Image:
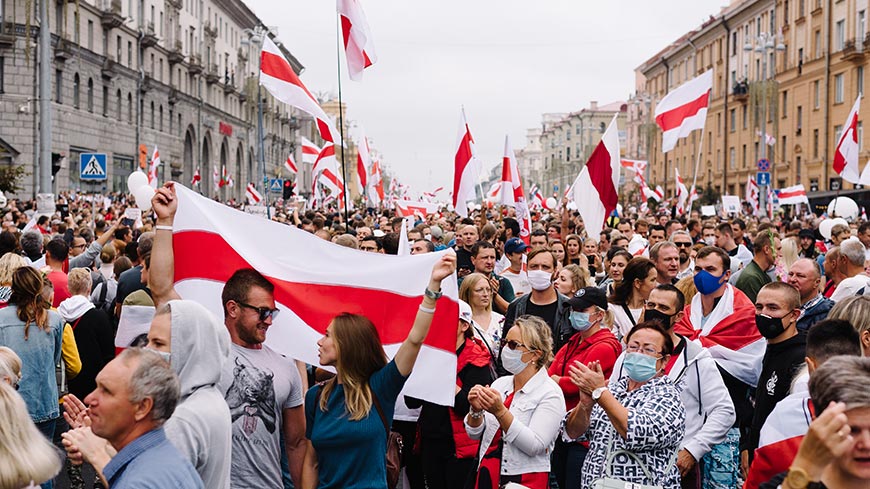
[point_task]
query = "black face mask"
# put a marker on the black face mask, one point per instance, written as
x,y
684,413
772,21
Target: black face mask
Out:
x,y
769,327
656,315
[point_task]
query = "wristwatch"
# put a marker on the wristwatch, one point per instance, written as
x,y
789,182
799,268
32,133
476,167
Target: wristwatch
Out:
x,y
797,478
475,414
596,394
432,295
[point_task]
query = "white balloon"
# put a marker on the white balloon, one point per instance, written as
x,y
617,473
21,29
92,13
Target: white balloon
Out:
x,y
450,208
825,228
843,207
143,197
3,200
135,180
551,203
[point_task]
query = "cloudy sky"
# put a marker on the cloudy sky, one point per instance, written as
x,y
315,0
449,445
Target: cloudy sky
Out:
x,y
505,61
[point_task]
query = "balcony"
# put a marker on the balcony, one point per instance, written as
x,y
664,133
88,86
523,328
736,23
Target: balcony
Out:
x,y
148,83
110,16
63,50
210,31
176,4
175,55
147,37
194,66
7,34
173,96
211,75
109,69
740,91
853,51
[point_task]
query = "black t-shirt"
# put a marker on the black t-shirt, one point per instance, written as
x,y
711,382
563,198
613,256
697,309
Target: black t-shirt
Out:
x,y
546,312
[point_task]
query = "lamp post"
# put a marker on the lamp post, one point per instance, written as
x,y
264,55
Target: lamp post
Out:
x,y
255,39
764,44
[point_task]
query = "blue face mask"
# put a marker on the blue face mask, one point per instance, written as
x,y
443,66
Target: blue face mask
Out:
x,y
580,321
707,283
639,367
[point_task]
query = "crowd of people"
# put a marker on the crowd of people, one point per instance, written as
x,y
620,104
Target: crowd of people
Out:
x,y
665,351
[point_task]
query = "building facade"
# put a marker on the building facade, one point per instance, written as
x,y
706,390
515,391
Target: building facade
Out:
x,y
180,75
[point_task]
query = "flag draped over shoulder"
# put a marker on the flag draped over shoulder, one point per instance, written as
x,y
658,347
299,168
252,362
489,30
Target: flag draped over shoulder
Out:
x,y
314,281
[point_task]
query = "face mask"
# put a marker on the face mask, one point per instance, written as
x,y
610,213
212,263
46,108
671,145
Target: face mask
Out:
x,y
769,327
710,241
165,355
656,315
428,237
540,280
580,321
639,367
707,283
512,360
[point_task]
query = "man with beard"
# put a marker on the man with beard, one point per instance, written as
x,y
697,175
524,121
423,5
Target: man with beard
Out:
x,y
683,240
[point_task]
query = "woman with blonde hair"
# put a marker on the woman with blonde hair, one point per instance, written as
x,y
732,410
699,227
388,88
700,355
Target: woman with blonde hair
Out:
x,y
573,249
487,324
8,264
26,457
856,310
10,367
347,440
571,279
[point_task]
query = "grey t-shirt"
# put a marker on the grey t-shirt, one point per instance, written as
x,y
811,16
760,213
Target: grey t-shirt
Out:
x,y
258,385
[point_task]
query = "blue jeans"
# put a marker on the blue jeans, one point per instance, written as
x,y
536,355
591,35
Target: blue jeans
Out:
x,y
47,429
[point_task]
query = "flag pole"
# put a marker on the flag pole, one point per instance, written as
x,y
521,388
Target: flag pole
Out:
x,y
341,115
697,165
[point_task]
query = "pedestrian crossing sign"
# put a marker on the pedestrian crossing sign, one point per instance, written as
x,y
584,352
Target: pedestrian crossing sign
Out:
x,y
93,166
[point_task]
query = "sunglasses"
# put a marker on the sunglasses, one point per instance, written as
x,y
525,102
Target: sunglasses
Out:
x,y
263,312
513,345
683,245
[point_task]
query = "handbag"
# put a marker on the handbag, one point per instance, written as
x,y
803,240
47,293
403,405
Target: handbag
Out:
x,y
610,482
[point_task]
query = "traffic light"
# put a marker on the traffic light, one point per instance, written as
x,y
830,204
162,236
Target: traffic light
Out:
x,y
288,190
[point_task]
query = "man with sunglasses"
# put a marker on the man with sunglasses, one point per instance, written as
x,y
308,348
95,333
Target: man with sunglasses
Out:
x,y
683,242
754,276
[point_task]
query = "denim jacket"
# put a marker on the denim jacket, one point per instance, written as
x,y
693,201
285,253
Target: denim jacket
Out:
x,y
39,354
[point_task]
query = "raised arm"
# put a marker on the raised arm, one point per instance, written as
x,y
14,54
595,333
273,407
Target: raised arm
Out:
x,y
407,354
162,271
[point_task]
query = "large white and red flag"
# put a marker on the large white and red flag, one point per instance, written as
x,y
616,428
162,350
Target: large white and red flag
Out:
x,y
795,194
781,437
846,154
466,168
684,109
363,162
290,165
253,196
682,192
309,151
512,193
752,195
658,194
405,208
278,77
595,189
152,169
314,281
359,49
637,166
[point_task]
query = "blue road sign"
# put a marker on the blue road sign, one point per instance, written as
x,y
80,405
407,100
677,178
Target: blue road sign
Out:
x,y
763,165
762,178
92,166
276,185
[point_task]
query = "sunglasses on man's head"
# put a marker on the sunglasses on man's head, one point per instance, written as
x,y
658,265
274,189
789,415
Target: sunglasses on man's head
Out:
x,y
263,312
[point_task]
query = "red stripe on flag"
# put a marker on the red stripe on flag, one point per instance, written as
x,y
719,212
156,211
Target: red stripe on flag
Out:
x,y
601,175
278,67
796,193
317,304
673,118
462,159
346,25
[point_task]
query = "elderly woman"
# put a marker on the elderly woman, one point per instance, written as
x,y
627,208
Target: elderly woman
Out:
x,y
517,419
638,419
487,324
571,279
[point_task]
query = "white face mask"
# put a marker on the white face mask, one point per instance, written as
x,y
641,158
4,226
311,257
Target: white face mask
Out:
x,y
540,280
710,241
512,360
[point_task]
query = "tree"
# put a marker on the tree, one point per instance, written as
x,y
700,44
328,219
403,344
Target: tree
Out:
x,y
10,178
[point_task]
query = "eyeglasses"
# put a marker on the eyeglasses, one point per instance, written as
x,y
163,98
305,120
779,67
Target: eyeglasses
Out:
x,y
683,245
513,345
649,351
263,312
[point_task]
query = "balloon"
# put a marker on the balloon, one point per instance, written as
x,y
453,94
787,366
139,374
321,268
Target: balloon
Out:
x,y
135,180
825,228
143,197
843,207
450,208
840,220
551,203
3,200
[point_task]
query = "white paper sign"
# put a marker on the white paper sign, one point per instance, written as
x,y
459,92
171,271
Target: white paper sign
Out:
x,y
260,210
45,204
133,213
708,210
731,204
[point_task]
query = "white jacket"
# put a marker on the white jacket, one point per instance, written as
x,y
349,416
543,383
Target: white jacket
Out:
x,y
538,409
709,410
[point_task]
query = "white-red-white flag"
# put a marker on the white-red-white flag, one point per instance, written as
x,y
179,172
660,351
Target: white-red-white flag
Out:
x,y
693,196
494,192
359,49
278,77
846,153
253,196
152,169
363,162
781,437
512,193
637,166
315,280
795,194
752,195
290,165
194,182
466,168
684,109
326,172
682,192
595,189
309,151
768,139
658,194
537,197
375,193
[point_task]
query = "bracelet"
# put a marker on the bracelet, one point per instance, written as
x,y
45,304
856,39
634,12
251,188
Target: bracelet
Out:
x,y
427,309
163,228
475,414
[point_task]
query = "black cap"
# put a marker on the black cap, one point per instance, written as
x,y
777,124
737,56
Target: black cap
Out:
x,y
589,296
807,233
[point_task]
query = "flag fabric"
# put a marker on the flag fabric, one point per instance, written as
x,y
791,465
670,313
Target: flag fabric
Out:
x,y
225,177
466,168
309,151
796,194
595,188
637,166
494,191
681,191
752,195
194,182
278,77
251,193
406,208
537,198
404,244
290,165
359,49
846,153
684,109
315,280
326,173
512,191
693,196
363,162
216,177
780,438
152,169
768,139
375,194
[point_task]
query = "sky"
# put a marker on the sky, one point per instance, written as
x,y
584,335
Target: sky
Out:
x,y
506,62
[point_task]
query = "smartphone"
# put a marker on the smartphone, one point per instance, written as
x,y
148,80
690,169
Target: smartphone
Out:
x,y
126,221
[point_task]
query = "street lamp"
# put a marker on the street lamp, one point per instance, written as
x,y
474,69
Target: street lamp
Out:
x,y
764,44
254,38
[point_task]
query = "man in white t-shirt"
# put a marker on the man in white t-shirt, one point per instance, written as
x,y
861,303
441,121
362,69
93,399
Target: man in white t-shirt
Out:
x,y
851,264
514,249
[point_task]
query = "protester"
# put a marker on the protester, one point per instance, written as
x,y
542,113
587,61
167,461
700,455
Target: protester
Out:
x,y
558,249
666,258
739,253
573,249
486,324
8,264
628,298
466,237
483,258
27,458
614,264
517,419
833,275
641,414
683,241
10,367
538,241
808,244
850,263
805,276
572,278
856,310
754,276
514,250
56,253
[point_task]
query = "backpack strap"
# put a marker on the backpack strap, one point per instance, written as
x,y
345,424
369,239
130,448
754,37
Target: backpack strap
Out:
x,y
103,293
380,412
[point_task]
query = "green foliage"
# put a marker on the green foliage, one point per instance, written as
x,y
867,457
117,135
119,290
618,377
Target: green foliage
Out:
x,y
10,178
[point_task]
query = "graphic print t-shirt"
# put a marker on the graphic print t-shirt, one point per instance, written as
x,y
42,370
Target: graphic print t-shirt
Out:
x,y
258,385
